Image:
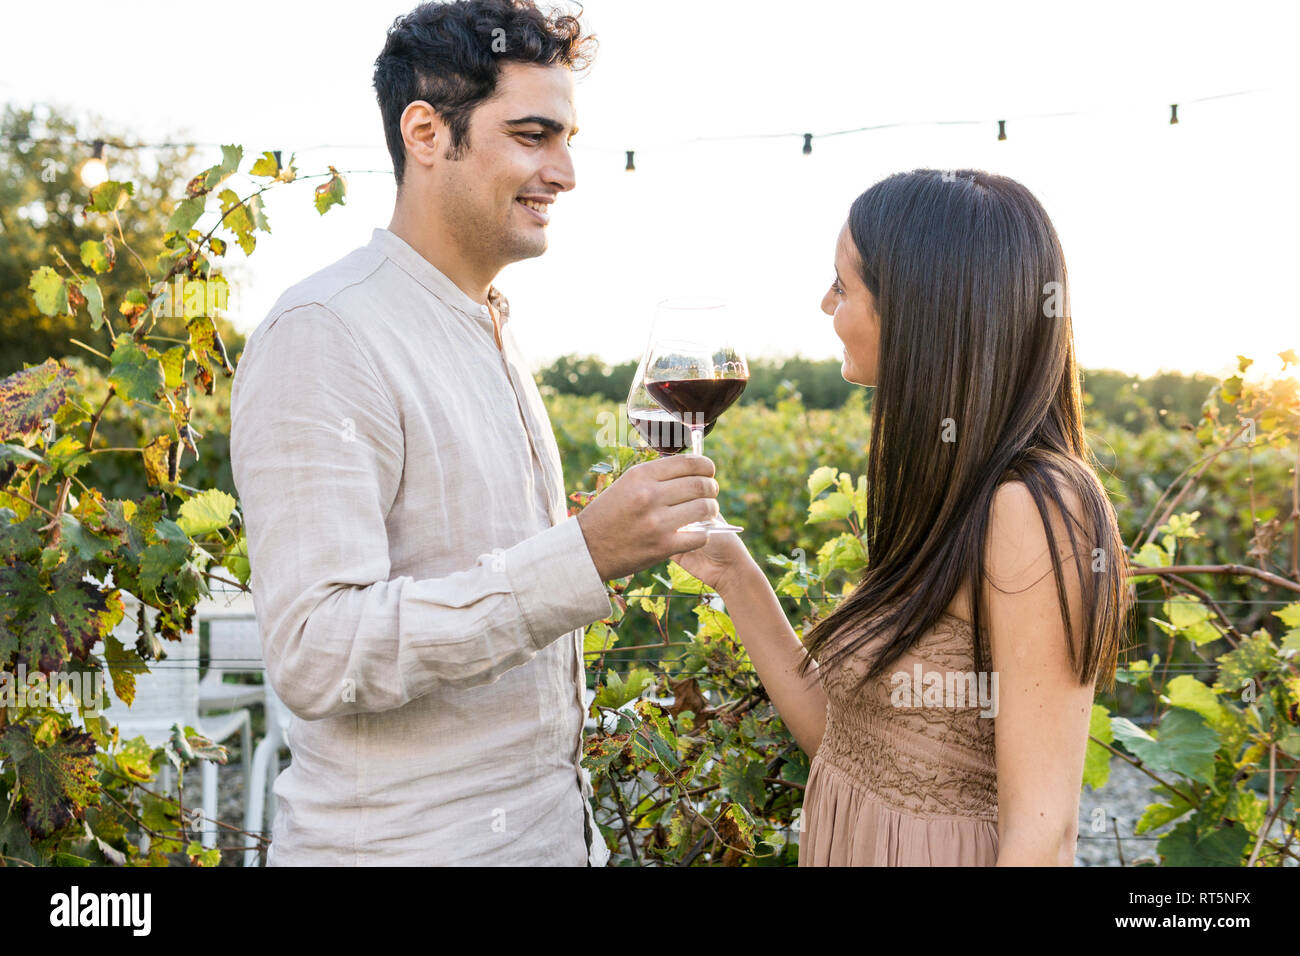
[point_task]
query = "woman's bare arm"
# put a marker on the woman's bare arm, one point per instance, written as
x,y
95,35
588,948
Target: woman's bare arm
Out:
x,y
776,653
1041,728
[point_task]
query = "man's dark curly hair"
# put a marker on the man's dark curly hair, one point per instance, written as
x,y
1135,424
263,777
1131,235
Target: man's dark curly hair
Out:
x,y
449,55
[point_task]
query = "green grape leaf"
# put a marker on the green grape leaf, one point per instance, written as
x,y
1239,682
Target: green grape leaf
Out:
x,y
713,623
230,159
331,192
132,306
1157,815
236,562
1222,847
50,290
683,582
1189,693
843,552
137,375
96,256
1186,744
94,303
173,364
269,165
47,628
743,781
110,196
32,395
123,665
1254,656
165,556
56,780
1290,616
187,213
618,692
1151,555
239,217
1096,761
265,165
198,856
77,538
834,507
135,758
206,512
598,638
1191,619
796,766
820,480
19,540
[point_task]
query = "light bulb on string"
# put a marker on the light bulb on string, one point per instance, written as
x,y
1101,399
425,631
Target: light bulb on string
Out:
x,y
94,170
807,143
1173,113
1002,129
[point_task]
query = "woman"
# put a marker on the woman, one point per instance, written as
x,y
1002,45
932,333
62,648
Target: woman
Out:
x,y
985,518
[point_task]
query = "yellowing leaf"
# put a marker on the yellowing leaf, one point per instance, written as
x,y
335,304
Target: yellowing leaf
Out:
x,y
110,196
820,480
50,290
206,512
97,255
331,192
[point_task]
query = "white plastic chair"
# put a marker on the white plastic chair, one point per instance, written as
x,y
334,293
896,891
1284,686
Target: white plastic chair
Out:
x,y
169,694
260,805
233,648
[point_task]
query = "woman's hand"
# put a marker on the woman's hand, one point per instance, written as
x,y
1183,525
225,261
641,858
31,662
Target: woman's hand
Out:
x,y
720,563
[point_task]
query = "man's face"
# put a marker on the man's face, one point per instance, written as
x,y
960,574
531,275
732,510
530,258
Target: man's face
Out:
x,y
496,197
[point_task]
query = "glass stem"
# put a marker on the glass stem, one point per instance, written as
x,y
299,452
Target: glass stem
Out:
x,y
697,439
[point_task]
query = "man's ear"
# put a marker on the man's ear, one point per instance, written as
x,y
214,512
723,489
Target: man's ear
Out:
x,y
425,134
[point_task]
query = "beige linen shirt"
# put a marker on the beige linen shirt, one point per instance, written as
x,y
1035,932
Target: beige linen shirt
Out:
x,y
419,588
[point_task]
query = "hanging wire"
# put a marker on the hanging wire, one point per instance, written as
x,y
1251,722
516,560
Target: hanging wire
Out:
x,y
804,137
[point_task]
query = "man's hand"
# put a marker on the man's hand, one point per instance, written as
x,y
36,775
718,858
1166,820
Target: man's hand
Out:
x,y
633,523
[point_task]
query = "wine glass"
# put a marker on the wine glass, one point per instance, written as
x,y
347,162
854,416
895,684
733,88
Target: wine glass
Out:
x,y
695,370
659,429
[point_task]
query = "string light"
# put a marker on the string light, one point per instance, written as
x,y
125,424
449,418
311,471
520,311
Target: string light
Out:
x,y
94,170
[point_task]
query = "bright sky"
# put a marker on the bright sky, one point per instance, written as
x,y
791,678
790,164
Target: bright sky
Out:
x,y
1181,241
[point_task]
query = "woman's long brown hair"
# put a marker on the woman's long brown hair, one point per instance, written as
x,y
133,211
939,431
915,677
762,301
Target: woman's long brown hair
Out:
x,y
976,386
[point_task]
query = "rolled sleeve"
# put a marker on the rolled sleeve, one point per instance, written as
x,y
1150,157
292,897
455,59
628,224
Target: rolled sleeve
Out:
x,y
555,582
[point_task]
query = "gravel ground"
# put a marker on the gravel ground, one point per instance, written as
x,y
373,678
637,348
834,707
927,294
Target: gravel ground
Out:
x,y
1116,808
230,802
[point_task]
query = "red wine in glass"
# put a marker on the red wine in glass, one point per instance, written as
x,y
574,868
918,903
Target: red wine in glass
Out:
x,y
697,400
662,430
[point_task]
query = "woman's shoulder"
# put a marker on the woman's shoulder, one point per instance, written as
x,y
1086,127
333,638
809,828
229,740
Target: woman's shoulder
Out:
x,y
1017,540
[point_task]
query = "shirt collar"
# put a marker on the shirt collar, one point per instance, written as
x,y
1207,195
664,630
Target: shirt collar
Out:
x,y
428,275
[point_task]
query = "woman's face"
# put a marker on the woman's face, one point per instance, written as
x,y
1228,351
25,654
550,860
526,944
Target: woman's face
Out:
x,y
853,307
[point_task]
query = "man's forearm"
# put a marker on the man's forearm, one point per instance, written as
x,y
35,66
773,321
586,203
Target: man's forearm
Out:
x,y
336,649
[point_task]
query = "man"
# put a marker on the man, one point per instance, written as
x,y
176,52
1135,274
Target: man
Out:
x,y
420,589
